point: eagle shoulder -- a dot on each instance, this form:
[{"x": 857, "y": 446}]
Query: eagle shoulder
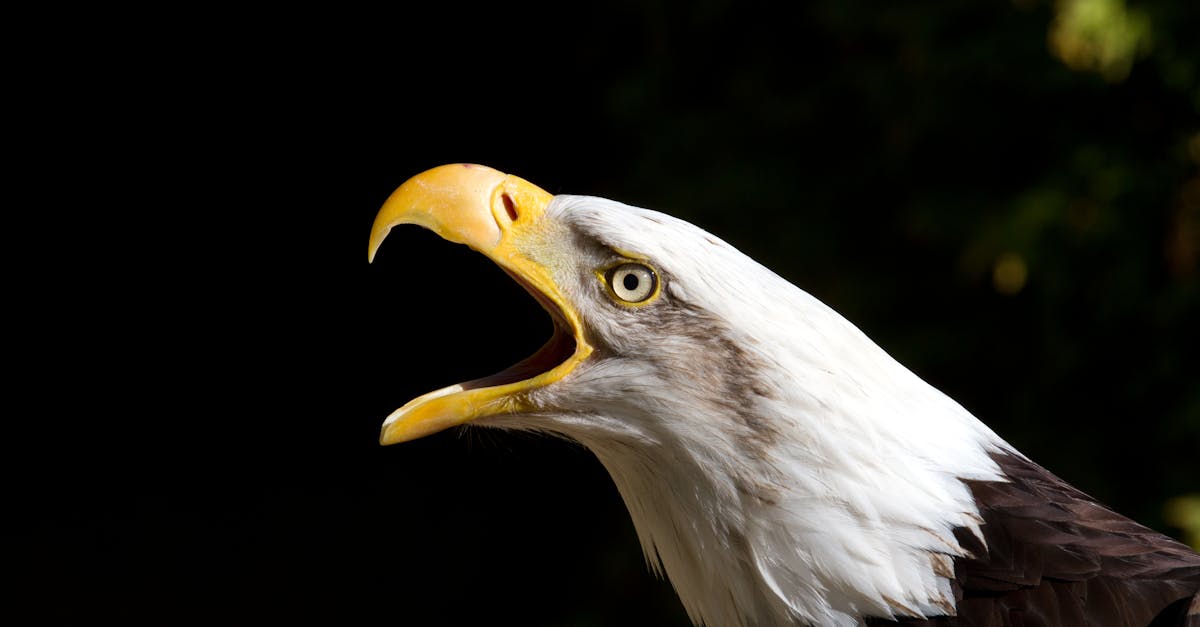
[{"x": 1052, "y": 555}]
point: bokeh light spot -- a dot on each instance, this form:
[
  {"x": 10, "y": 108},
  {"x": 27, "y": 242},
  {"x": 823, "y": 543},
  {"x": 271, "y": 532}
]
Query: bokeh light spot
[
  {"x": 1184, "y": 512},
  {"x": 1009, "y": 273},
  {"x": 1102, "y": 36}
]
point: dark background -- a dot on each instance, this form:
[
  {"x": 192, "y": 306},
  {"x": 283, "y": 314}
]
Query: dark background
[{"x": 202, "y": 358}]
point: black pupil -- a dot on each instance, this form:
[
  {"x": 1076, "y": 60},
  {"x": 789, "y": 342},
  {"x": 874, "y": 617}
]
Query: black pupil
[{"x": 630, "y": 281}]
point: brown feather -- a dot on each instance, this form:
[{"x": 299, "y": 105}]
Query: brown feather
[{"x": 1055, "y": 556}]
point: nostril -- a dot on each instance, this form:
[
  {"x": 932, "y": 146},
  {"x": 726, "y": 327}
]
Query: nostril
[{"x": 510, "y": 207}]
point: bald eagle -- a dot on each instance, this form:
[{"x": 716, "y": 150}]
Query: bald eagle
[{"x": 779, "y": 467}]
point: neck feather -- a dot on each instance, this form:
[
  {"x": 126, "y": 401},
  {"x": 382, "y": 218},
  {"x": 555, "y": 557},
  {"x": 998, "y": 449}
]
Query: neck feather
[{"x": 829, "y": 494}]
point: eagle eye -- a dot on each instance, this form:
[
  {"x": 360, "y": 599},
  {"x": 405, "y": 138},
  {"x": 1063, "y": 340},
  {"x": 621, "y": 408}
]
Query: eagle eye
[{"x": 632, "y": 283}]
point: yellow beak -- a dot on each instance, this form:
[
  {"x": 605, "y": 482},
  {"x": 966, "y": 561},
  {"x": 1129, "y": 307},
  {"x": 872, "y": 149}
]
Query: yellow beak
[{"x": 492, "y": 213}]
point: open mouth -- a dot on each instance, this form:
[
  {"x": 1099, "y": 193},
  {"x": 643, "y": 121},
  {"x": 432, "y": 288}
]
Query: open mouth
[
  {"x": 504, "y": 393},
  {"x": 555, "y": 352},
  {"x": 508, "y": 392}
]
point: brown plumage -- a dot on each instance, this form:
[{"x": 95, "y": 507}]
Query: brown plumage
[{"x": 1056, "y": 557}]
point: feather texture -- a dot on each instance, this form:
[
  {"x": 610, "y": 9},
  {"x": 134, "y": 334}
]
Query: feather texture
[{"x": 1051, "y": 555}]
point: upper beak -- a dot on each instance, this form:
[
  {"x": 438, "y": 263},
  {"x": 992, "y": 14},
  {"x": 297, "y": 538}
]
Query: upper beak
[
  {"x": 458, "y": 202},
  {"x": 492, "y": 213}
]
